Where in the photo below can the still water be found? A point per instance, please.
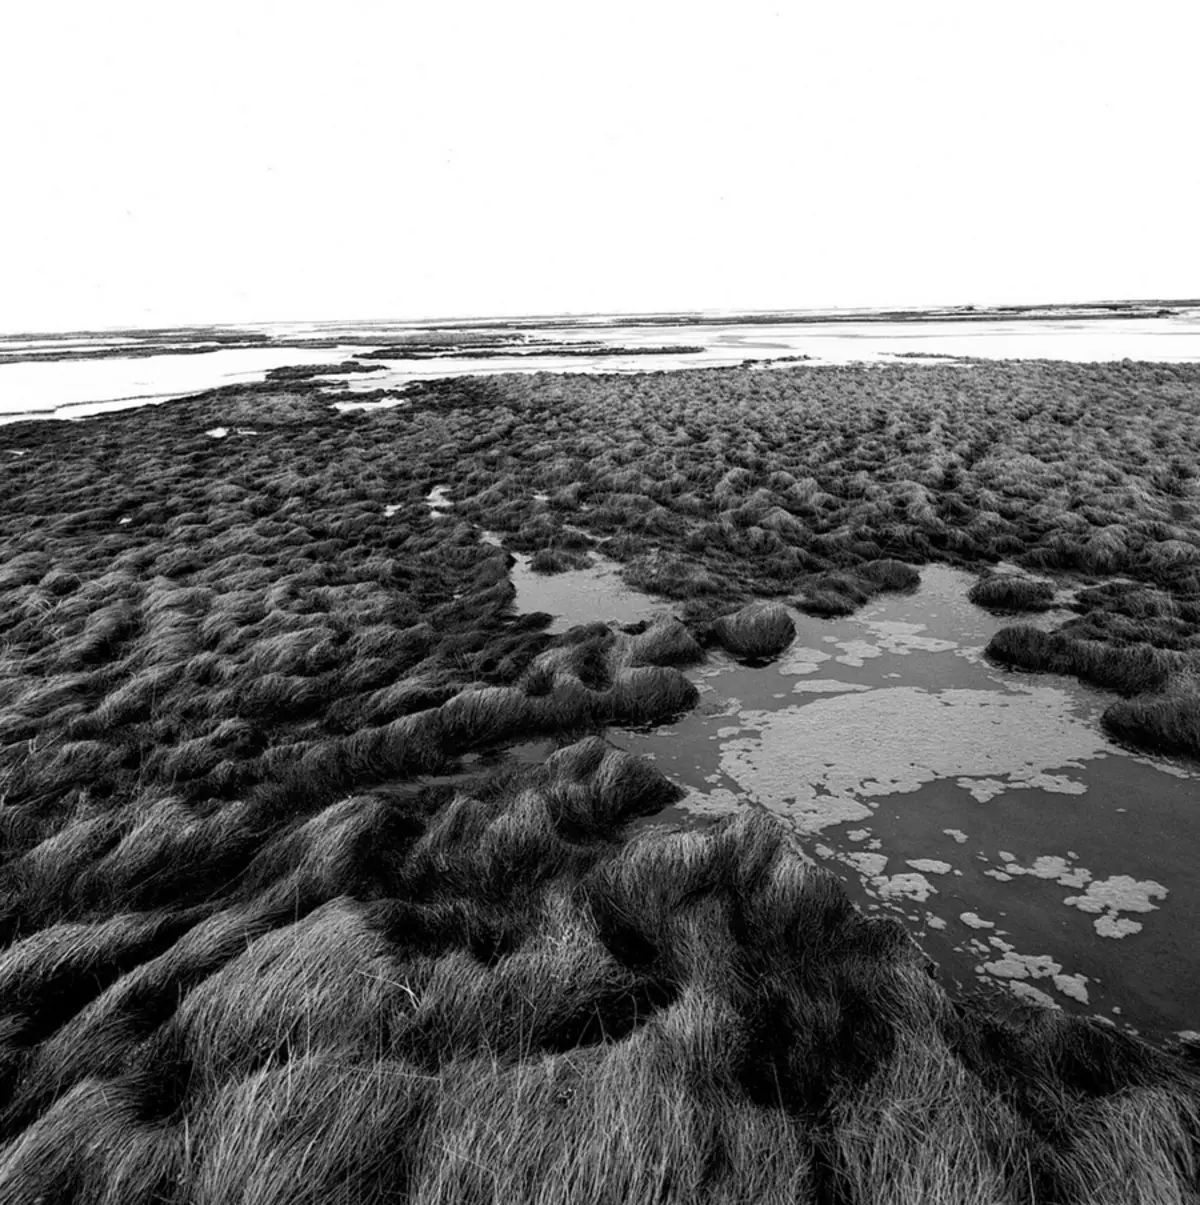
(985, 808)
(32, 385)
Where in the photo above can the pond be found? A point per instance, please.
(985, 808)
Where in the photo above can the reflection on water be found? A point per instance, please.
(985, 808)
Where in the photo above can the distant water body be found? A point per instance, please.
(74, 376)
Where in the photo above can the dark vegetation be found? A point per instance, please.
(271, 932)
(1006, 593)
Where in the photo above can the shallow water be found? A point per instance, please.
(79, 388)
(985, 808)
(75, 388)
(1172, 339)
(596, 594)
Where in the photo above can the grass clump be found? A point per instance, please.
(841, 592)
(1168, 722)
(756, 632)
(650, 694)
(663, 641)
(1130, 670)
(1009, 593)
(671, 577)
(558, 560)
(891, 576)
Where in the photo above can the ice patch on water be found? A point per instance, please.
(818, 763)
(985, 789)
(910, 886)
(799, 660)
(1052, 867)
(855, 653)
(1114, 895)
(929, 865)
(901, 639)
(957, 834)
(720, 802)
(1033, 995)
(973, 921)
(217, 432)
(868, 864)
(1073, 986)
(827, 686)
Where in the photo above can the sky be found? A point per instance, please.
(255, 161)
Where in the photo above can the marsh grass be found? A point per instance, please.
(1127, 669)
(1167, 722)
(271, 933)
(1008, 593)
(757, 632)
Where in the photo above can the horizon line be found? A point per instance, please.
(717, 314)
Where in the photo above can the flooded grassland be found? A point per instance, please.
(606, 787)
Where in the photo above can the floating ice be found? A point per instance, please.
(972, 921)
(799, 660)
(929, 865)
(868, 864)
(1114, 895)
(817, 762)
(1052, 867)
(827, 686)
(910, 886)
(902, 639)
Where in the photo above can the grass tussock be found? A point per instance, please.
(1009, 593)
(486, 991)
(841, 592)
(1167, 722)
(758, 631)
(558, 560)
(1130, 670)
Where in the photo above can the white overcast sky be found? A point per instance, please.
(246, 161)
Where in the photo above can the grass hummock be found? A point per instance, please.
(757, 632)
(1010, 593)
(1166, 722)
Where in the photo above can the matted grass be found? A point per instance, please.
(264, 936)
